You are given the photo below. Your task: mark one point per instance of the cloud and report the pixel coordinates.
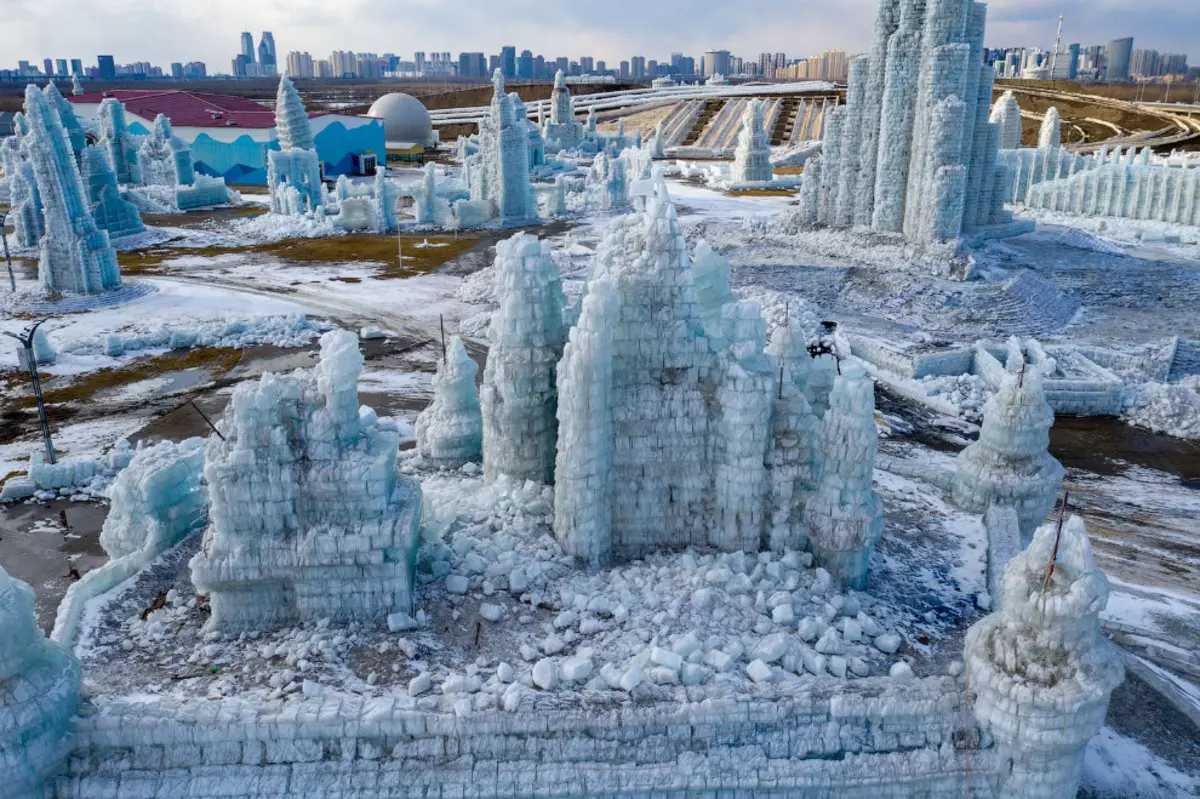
(162, 31)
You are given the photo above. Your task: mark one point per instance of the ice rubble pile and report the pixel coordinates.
(82, 477)
(156, 500)
(844, 516)
(294, 170)
(450, 430)
(1040, 669)
(752, 157)
(913, 150)
(39, 692)
(526, 337)
(288, 330)
(1169, 408)
(1010, 465)
(309, 517)
(76, 255)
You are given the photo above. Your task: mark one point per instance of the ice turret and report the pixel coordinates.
(752, 158)
(1007, 114)
(76, 255)
(117, 141)
(845, 517)
(583, 487)
(309, 516)
(498, 174)
(1050, 134)
(526, 337)
(450, 430)
(790, 350)
(39, 692)
(1010, 464)
(294, 170)
(292, 126)
(112, 212)
(562, 110)
(1039, 669)
(157, 499)
(657, 146)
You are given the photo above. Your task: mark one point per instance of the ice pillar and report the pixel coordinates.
(450, 430)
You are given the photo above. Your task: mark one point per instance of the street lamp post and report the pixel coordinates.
(26, 339)
(12, 280)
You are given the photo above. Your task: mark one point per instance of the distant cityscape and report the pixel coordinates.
(1114, 61)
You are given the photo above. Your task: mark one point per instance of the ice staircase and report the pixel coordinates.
(707, 112)
(1186, 362)
(785, 122)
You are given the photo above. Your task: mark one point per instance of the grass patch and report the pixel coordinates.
(789, 170)
(762, 192)
(382, 250)
(216, 360)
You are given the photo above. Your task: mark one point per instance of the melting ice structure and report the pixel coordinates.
(309, 518)
(450, 431)
(497, 175)
(76, 254)
(165, 160)
(294, 170)
(366, 205)
(1040, 671)
(39, 693)
(913, 151)
(562, 132)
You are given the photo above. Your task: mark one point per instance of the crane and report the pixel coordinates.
(1057, 46)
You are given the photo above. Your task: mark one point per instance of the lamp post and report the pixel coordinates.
(12, 280)
(26, 339)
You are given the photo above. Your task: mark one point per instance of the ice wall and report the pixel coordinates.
(844, 516)
(116, 139)
(157, 499)
(112, 212)
(710, 275)
(1007, 114)
(583, 475)
(309, 517)
(1010, 464)
(294, 170)
(76, 255)
(526, 337)
(914, 136)
(39, 692)
(1040, 671)
(450, 430)
(752, 157)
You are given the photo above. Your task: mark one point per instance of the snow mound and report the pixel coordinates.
(1171, 409)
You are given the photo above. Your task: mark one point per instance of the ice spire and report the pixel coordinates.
(76, 255)
(76, 86)
(583, 472)
(1039, 668)
(450, 430)
(845, 517)
(1050, 134)
(292, 127)
(518, 397)
(658, 148)
(1007, 114)
(752, 158)
(1010, 464)
(66, 112)
(114, 137)
(39, 695)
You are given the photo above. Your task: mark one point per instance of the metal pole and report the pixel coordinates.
(12, 280)
(27, 342)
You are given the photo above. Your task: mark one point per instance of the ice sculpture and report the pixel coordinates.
(752, 158)
(562, 132)
(1050, 134)
(76, 86)
(70, 123)
(26, 203)
(710, 275)
(498, 173)
(1040, 670)
(658, 148)
(519, 385)
(926, 167)
(157, 499)
(1010, 464)
(450, 430)
(792, 459)
(309, 517)
(76, 255)
(117, 141)
(583, 472)
(608, 179)
(112, 212)
(844, 516)
(1007, 114)
(294, 170)
(39, 693)
(165, 159)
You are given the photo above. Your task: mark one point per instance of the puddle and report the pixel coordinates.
(1106, 446)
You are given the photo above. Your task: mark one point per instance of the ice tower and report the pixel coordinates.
(1040, 670)
(117, 141)
(752, 158)
(450, 430)
(294, 170)
(76, 255)
(499, 173)
(1007, 114)
(309, 518)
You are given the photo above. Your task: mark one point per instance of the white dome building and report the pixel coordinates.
(404, 119)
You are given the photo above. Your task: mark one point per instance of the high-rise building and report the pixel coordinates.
(343, 64)
(177, 70)
(77, 66)
(587, 64)
(564, 64)
(472, 65)
(248, 46)
(1173, 64)
(601, 67)
(324, 69)
(525, 65)
(637, 67)
(651, 69)
(25, 69)
(493, 65)
(47, 66)
(367, 66)
(508, 61)
(715, 62)
(1117, 54)
(419, 61)
(300, 65)
(195, 70)
(106, 67)
(268, 39)
(60, 67)
(266, 59)
(624, 70)
(539, 68)
(1066, 63)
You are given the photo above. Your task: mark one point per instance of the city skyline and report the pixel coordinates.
(320, 29)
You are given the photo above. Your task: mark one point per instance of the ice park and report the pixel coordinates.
(522, 426)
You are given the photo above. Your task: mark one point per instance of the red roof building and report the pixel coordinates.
(188, 109)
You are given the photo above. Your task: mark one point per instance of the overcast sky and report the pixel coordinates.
(162, 31)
